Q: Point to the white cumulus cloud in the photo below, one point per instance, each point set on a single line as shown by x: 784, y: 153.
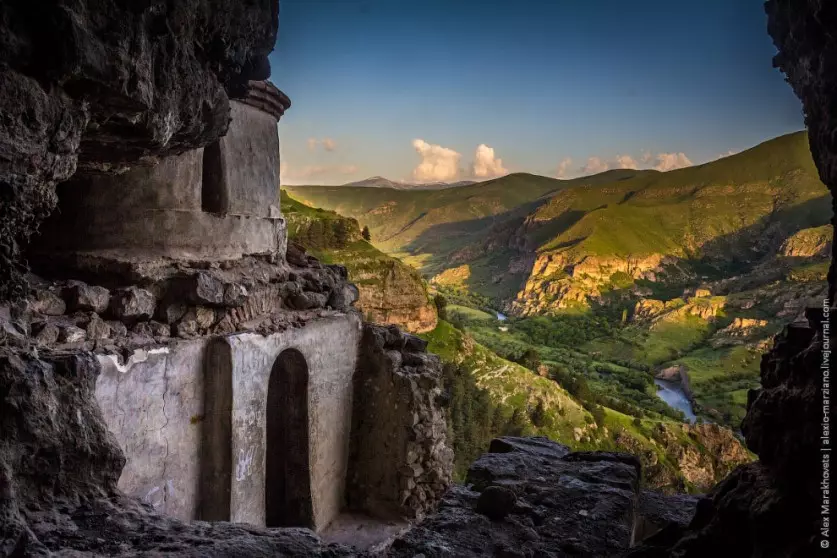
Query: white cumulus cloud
x: 487, y: 164
x: 671, y: 161
x: 564, y: 167
x: 595, y: 165
x: 625, y: 162
x: 647, y: 160
x: 438, y: 164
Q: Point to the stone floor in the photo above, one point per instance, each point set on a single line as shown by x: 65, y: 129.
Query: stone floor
x: 363, y: 532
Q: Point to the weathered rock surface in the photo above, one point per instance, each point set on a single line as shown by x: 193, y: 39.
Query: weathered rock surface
x: 104, y: 84
x: 132, y: 304
x: 565, y: 504
x: 160, y: 298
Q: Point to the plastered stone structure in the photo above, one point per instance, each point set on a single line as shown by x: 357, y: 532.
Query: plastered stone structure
x: 220, y: 202
x: 191, y: 418
x: 234, y: 392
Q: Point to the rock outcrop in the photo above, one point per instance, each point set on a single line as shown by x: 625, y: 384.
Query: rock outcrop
x: 102, y: 85
x: 563, y: 279
x: 532, y: 497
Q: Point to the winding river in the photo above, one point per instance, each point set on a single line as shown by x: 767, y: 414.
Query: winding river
x: 672, y: 393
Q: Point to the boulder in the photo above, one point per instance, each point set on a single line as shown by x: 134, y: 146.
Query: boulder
x: 81, y: 297
x: 132, y: 304
x: 97, y: 328
x: 533, y: 499
x: 48, y: 303
x: 72, y: 334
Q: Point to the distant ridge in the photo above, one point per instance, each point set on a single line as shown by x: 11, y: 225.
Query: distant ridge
x: 381, y: 182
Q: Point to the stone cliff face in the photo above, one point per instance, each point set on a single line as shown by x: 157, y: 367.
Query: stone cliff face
x: 563, y: 279
x: 390, y: 292
x: 101, y: 85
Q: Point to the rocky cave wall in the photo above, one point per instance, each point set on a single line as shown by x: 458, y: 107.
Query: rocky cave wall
x: 100, y: 85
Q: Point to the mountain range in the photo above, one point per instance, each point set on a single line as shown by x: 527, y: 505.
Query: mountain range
x: 381, y: 182
x: 692, y: 271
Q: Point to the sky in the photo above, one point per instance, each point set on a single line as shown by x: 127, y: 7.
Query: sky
x: 446, y: 90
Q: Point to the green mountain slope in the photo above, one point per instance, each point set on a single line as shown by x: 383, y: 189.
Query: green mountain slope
x: 506, y: 398
x: 737, y: 207
x: 390, y: 291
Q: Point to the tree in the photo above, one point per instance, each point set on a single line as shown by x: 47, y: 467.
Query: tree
x: 538, y: 415
x: 531, y: 359
x: 365, y: 234
x: 441, y: 306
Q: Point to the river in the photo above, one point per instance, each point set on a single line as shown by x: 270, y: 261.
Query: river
x: 672, y: 393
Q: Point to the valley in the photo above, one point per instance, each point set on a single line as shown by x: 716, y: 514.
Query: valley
x: 687, y: 273
x: 625, y: 310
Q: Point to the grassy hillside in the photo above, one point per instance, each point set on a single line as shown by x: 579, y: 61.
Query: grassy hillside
x: 390, y: 291
x: 737, y: 208
x: 493, y: 396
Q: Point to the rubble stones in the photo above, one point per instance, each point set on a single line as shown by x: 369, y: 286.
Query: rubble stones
x: 81, y: 297
x: 72, y: 334
x: 414, y: 344
x: 48, y: 335
x: 234, y: 295
x: 48, y: 303
x: 132, y: 304
x: 206, y: 289
x: 118, y: 329
x: 399, y: 461
x: 97, y: 328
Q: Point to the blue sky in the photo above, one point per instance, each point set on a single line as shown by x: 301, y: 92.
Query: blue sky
x: 411, y: 89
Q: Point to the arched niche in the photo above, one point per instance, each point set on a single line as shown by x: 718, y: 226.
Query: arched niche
x: 288, y: 499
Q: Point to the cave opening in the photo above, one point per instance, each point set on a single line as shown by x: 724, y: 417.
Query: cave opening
x: 213, y: 188
x: 288, y: 501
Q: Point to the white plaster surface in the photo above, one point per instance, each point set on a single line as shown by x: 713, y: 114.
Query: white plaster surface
x: 153, y: 404
x: 330, y: 347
